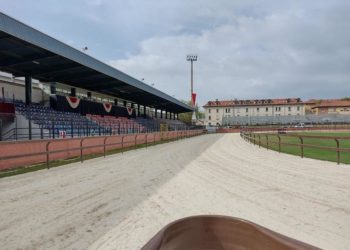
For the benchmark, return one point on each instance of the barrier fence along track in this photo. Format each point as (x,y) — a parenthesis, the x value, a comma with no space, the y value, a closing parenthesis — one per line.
(255,138)
(148,138)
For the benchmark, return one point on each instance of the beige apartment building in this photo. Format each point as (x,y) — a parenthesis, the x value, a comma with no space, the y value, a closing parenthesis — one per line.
(328,106)
(216,110)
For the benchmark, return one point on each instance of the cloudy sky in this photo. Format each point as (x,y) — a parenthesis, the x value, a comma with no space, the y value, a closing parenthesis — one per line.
(246,49)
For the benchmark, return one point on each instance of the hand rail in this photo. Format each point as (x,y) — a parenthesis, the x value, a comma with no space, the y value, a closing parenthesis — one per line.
(251,137)
(49,151)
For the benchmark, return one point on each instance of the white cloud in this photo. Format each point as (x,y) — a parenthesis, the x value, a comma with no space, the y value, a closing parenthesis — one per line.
(246,48)
(293,52)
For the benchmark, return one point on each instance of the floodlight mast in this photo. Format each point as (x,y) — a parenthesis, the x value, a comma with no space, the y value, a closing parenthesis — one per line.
(192,58)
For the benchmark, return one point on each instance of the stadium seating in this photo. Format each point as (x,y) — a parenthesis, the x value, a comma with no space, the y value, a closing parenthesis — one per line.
(55,122)
(118,125)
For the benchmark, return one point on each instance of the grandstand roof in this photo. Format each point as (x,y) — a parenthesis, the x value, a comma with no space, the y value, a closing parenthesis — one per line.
(27,51)
(254,102)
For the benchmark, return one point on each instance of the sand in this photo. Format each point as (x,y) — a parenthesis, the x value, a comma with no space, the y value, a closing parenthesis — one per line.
(121,201)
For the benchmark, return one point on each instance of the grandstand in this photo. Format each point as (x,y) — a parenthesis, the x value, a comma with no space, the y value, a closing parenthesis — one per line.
(75,95)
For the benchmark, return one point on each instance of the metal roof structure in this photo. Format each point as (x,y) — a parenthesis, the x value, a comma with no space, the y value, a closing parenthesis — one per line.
(25,51)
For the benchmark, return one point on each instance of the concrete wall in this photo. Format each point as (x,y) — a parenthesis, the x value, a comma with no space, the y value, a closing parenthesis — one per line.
(16,88)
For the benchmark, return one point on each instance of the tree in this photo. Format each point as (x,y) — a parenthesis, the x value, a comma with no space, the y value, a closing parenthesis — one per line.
(187,117)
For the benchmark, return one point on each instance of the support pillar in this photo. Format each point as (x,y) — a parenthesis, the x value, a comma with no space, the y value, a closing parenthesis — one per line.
(28,89)
(28,95)
(73,92)
(124,103)
(53,88)
(161,113)
(116,102)
(138,110)
(144,111)
(155,113)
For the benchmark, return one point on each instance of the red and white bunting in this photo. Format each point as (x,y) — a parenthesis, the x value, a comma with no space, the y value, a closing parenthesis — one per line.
(130,110)
(107,106)
(73,101)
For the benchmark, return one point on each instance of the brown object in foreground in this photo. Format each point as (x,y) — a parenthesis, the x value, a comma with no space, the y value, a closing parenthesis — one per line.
(219,232)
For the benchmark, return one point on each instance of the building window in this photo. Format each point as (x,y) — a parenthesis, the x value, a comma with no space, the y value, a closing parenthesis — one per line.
(209,123)
(267,109)
(246,110)
(217,110)
(289,108)
(209,111)
(227,110)
(209,118)
(298,108)
(257,109)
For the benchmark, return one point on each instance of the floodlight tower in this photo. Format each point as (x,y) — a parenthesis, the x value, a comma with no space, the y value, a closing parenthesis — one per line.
(192,58)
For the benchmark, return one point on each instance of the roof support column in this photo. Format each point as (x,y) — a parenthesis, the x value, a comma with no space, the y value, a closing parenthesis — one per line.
(144,111)
(53,88)
(73,92)
(166,114)
(28,89)
(28,95)
(138,110)
(161,113)
(155,113)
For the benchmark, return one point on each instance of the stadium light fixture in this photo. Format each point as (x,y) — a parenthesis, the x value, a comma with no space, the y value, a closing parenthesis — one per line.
(191,58)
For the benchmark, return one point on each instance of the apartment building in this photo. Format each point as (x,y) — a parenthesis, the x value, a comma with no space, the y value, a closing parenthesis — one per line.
(328,106)
(216,110)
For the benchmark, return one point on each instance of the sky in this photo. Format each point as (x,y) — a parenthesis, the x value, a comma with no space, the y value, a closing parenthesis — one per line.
(246,49)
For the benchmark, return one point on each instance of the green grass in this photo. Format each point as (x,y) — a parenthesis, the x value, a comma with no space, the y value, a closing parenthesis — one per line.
(320,154)
(57,163)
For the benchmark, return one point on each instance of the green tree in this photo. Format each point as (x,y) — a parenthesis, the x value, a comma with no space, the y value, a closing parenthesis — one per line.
(187,117)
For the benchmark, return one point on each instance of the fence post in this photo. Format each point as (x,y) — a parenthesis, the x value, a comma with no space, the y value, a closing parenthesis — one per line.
(279,144)
(338,152)
(47,154)
(267,142)
(104,146)
(81,150)
(301,147)
(122,143)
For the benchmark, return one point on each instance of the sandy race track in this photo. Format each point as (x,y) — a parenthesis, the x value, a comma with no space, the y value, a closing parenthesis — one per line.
(120,201)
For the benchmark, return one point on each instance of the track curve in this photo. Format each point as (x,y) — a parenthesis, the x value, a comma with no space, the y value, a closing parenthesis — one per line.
(120,201)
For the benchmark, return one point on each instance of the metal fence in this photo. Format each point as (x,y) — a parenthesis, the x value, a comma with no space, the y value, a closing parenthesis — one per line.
(286,120)
(268,140)
(48,148)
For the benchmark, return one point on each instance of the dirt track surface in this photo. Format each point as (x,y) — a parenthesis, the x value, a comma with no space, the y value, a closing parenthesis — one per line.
(121,201)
